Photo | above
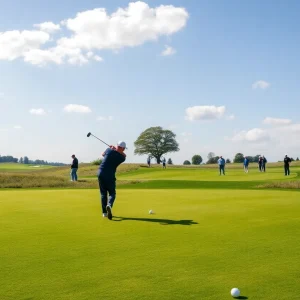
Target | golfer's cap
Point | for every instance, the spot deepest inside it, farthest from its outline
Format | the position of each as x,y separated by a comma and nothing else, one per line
122,144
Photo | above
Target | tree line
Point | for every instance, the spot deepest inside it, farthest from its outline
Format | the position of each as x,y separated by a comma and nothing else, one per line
25,160
155,142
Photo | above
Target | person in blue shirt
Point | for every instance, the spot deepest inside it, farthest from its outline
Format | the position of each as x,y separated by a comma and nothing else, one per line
113,157
74,168
246,164
221,163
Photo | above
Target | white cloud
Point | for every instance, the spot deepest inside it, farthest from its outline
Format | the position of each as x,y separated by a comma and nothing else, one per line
290,128
204,112
126,27
276,121
17,127
261,84
1,95
254,135
58,55
93,30
15,44
3,129
97,58
49,27
168,51
75,108
109,118
230,117
37,111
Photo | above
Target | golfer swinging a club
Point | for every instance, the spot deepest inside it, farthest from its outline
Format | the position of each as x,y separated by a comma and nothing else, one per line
113,157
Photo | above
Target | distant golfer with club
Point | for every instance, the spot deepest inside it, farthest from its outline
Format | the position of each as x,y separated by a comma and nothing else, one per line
113,157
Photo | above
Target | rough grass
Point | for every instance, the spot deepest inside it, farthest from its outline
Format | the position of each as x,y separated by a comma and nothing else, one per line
55,177
281,185
197,245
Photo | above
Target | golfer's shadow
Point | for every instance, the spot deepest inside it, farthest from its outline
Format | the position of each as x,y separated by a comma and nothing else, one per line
153,220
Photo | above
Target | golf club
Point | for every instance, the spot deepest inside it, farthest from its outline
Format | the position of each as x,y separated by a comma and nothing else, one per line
89,134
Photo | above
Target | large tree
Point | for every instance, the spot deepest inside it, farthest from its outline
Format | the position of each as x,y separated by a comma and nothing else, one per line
212,160
156,141
196,159
239,158
210,155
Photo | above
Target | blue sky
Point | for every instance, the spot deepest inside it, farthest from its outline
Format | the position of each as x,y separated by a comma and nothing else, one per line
218,52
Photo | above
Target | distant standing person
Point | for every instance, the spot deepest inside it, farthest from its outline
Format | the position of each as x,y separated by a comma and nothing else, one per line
149,161
74,168
263,164
113,157
246,164
260,164
221,163
287,162
164,163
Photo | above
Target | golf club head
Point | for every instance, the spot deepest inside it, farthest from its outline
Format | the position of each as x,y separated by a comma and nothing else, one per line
89,134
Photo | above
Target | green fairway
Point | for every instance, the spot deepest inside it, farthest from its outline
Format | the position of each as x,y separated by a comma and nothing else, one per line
202,174
198,245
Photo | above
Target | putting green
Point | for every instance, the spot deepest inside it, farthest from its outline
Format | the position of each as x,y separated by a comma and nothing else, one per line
202,174
198,245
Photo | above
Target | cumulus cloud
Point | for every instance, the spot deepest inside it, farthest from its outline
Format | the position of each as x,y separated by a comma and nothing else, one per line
254,135
58,55
109,118
261,84
204,112
276,121
75,108
168,51
15,44
17,127
93,30
37,111
49,27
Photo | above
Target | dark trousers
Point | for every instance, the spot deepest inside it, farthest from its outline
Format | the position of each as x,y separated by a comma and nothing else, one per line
263,167
107,187
287,170
222,169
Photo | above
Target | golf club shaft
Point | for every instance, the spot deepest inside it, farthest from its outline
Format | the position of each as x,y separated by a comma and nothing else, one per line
100,140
